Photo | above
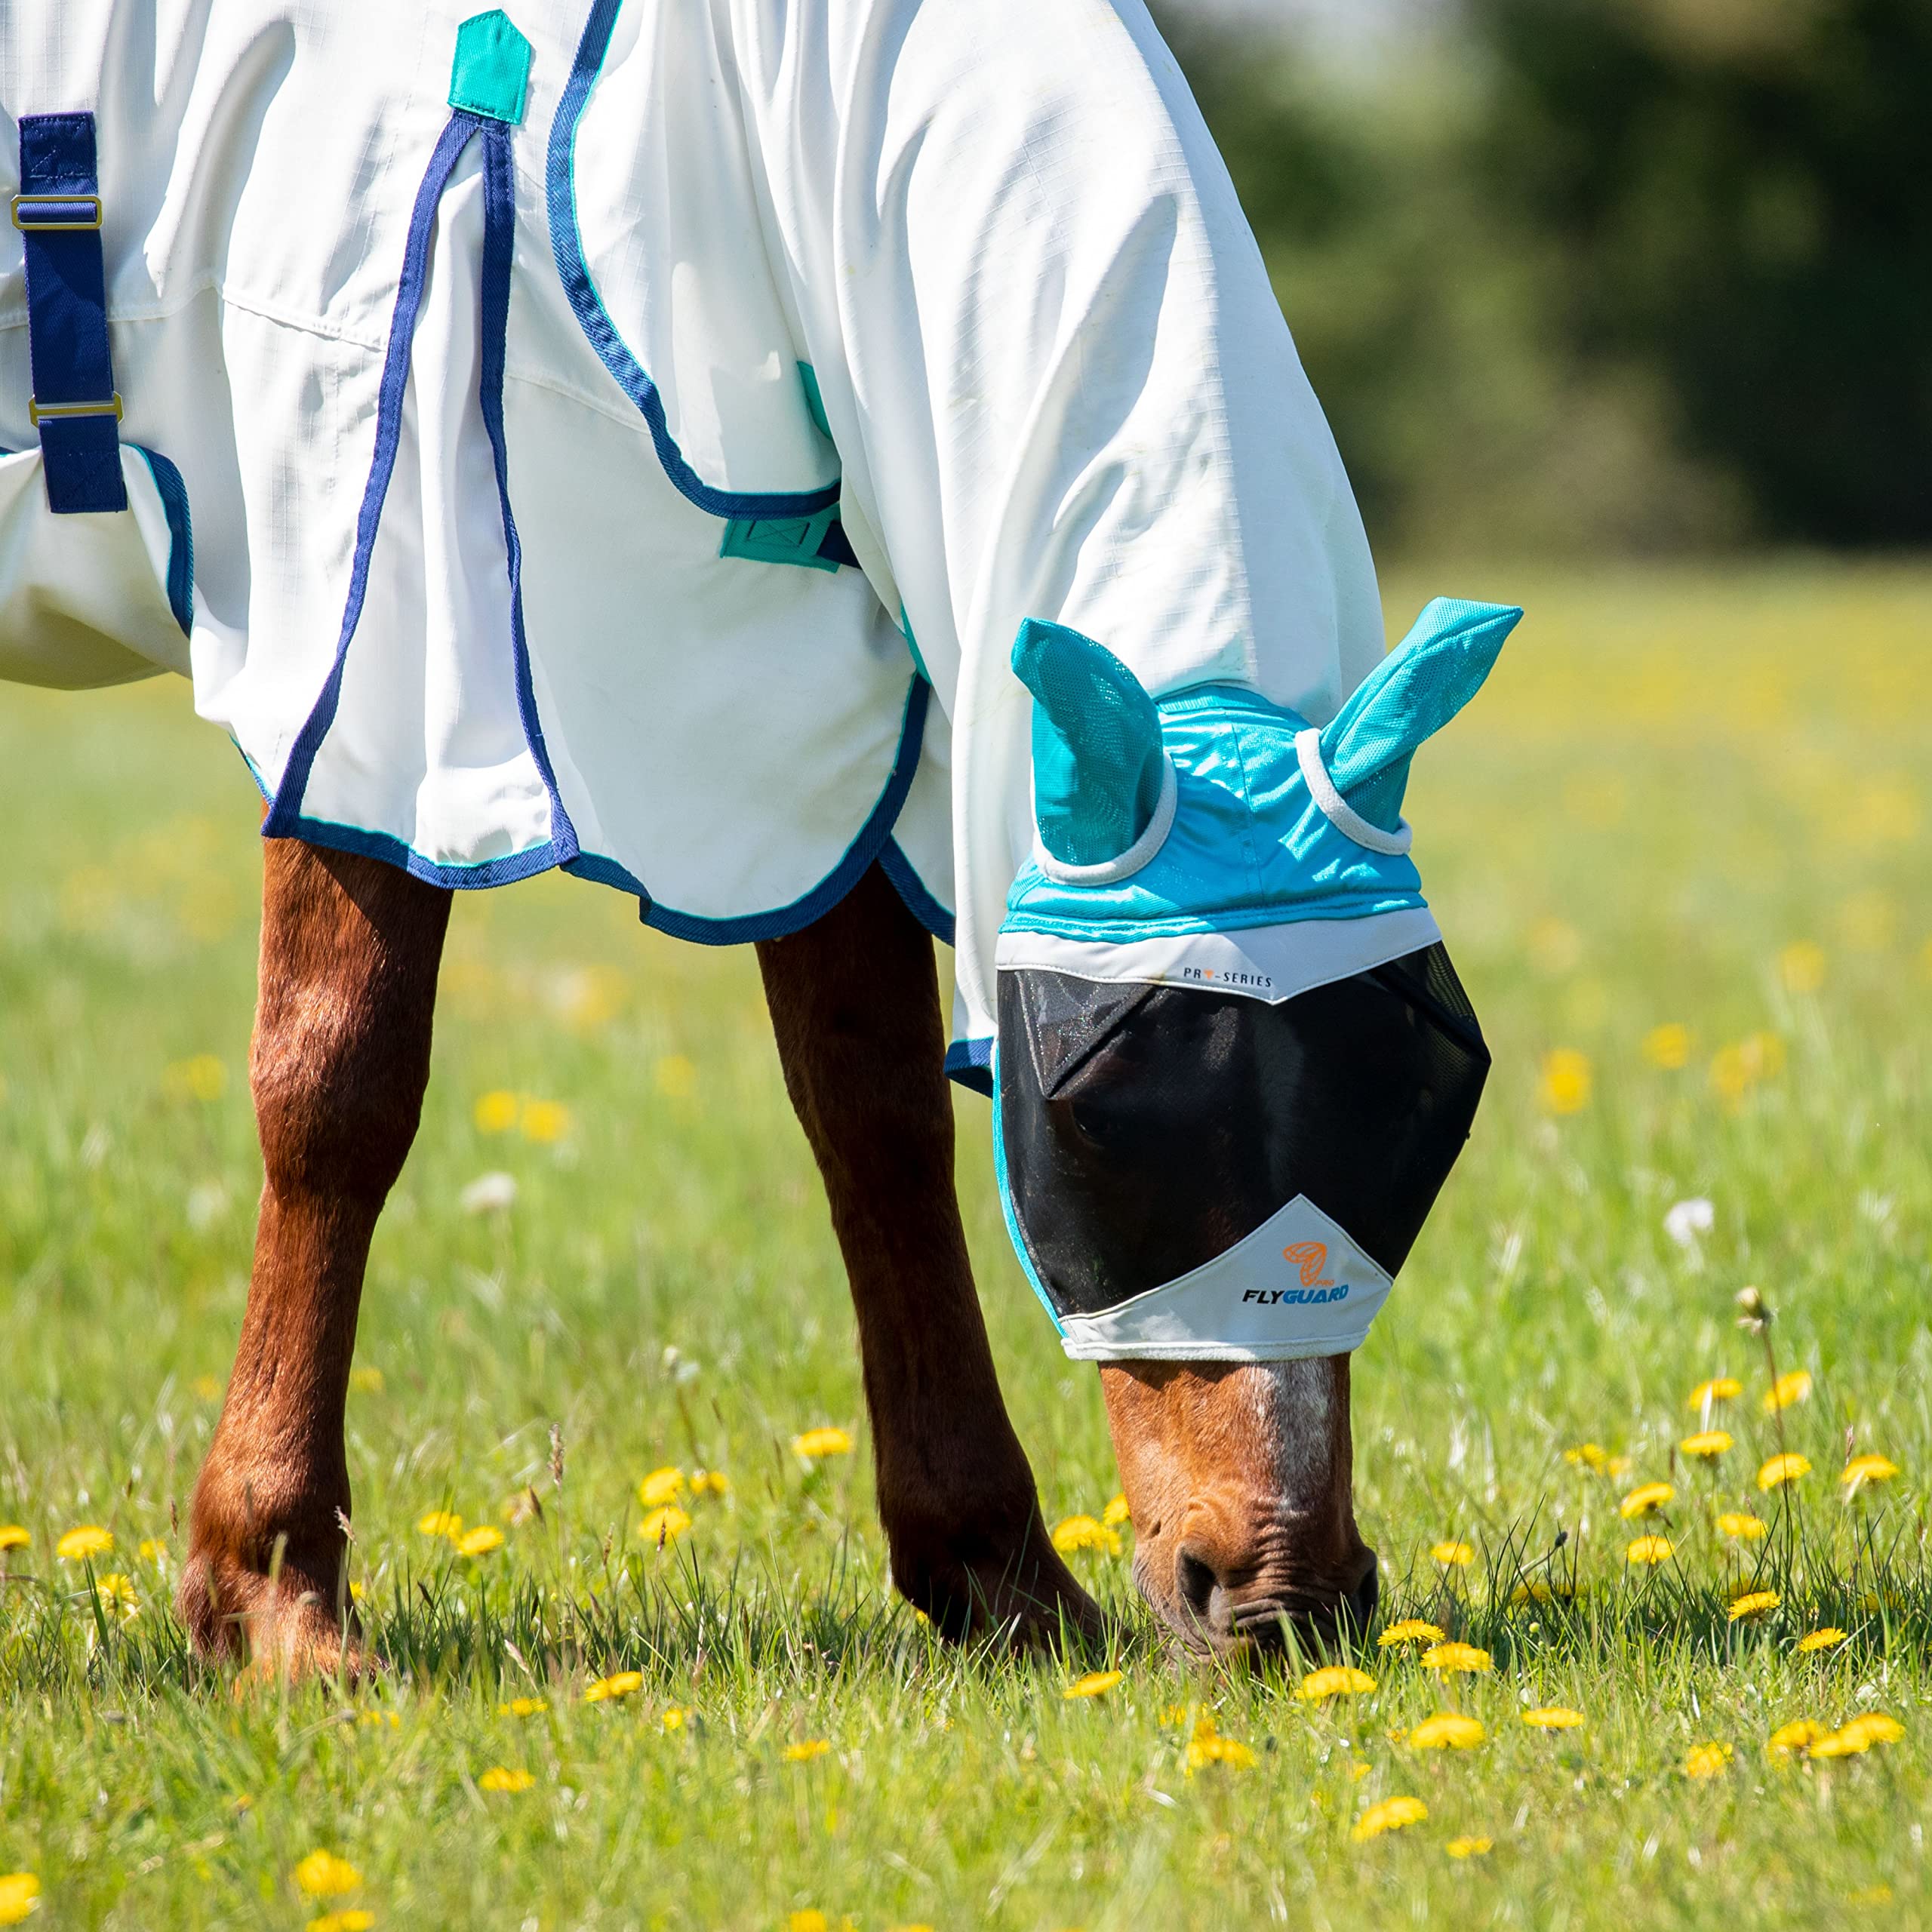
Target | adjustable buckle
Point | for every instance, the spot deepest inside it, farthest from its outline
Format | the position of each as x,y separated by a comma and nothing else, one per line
63,213
40,412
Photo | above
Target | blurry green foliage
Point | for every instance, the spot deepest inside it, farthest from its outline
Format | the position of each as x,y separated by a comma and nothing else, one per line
1606,274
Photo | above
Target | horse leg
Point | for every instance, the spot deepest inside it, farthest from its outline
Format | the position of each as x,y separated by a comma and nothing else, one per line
349,951
854,1003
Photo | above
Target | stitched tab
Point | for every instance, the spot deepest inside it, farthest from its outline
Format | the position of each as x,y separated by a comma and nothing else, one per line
805,542
490,74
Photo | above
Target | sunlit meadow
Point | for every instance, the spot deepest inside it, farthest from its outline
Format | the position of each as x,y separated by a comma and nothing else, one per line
1656,1649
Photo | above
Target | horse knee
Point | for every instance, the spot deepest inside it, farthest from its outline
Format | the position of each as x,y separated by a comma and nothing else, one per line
338,1097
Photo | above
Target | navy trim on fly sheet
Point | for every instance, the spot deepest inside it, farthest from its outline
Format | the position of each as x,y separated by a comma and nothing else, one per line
971,1063
174,495
921,903
567,242
286,819
77,413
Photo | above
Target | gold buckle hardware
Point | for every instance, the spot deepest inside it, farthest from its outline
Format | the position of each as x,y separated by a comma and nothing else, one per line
36,412
23,206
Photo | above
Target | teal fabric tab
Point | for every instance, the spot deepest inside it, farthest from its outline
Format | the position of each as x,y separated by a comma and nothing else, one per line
814,399
490,74
788,540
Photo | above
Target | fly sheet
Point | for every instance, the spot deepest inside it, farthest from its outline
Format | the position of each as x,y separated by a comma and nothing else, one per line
631,435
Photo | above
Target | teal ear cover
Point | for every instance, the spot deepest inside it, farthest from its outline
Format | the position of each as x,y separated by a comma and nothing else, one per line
1098,763
1408,697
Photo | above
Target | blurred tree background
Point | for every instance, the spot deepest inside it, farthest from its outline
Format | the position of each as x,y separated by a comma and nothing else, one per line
1581,276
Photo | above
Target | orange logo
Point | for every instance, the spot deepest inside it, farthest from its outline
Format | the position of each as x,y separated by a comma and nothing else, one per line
1311,1257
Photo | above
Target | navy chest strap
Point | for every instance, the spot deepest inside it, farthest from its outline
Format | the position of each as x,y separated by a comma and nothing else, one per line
74,407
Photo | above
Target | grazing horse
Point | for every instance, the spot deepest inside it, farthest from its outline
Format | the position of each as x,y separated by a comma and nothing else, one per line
702,445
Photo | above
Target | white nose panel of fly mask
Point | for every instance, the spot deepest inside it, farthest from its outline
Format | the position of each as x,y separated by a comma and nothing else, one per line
1297,1286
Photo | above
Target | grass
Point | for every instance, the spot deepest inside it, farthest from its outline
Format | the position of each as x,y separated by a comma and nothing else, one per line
1673,779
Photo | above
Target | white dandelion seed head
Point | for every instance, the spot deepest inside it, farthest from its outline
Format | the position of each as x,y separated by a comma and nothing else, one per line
1688,1220
489,1194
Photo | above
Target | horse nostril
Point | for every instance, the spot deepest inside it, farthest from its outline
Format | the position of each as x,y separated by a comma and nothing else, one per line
1197,1583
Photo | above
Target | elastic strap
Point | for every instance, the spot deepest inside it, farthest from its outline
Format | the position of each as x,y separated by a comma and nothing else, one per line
74,406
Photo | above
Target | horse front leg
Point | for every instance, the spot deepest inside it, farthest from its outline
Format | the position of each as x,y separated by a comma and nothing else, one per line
854,1003
349,951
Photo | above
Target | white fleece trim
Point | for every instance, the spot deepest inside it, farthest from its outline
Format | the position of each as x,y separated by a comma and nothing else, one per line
1337,811
1111,872
1270,963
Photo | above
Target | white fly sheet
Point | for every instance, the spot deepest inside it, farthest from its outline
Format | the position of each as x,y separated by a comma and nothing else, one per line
795,351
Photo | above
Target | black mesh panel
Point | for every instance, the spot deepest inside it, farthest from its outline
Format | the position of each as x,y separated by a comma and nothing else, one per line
1148,1129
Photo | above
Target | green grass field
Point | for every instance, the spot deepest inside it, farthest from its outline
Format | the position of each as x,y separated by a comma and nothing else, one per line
1687,801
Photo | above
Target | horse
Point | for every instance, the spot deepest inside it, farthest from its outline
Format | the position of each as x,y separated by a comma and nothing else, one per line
627,436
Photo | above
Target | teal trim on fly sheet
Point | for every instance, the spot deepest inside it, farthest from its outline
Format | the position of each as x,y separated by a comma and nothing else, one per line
797,540
1005,1191
814,399
490,74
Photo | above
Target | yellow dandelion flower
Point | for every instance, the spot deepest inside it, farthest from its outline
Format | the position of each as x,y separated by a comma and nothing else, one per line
1116,1512
1392,1814
1410,1630
523,1707
661,1486
1172,1716
1452,1555
1862,1469
675,1717
206,1388
13,1536
1799,1735
1802,967
1754,1603
1707,1443
480,1541
1077,1532
1668,1046
19,1897
366,1381
1707,1761
1553,1717
1207,1747
1742,1525
1875,1728
503,1777
1719,1389
1619,1467
1334,1680
712,1482
323,1876
1566,1081
495,1112
1540,1590
676,1076
117,1590
804,1753
607,1689
1454,1659
1792,1387
810,1920
817,1442
203,1077
85,1539
664,1526
1447,1731
1644,1498
1782,1469
1649,1550
355,1919
1828,1638
544,1121
376,1720
1591,1456
1468,1847
439,1523
1095,1683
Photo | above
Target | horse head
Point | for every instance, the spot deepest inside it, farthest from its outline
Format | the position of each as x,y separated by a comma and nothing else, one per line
1235,1068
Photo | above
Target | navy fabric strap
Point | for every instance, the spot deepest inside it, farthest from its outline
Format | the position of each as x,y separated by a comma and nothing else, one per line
58,213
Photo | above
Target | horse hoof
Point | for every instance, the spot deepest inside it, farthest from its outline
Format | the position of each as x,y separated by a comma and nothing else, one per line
282,1629
1024,1597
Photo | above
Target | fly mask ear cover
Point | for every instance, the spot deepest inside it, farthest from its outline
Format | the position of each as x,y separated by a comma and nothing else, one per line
1235,1065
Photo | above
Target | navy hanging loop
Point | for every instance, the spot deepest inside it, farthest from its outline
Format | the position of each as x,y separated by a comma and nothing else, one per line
75,405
